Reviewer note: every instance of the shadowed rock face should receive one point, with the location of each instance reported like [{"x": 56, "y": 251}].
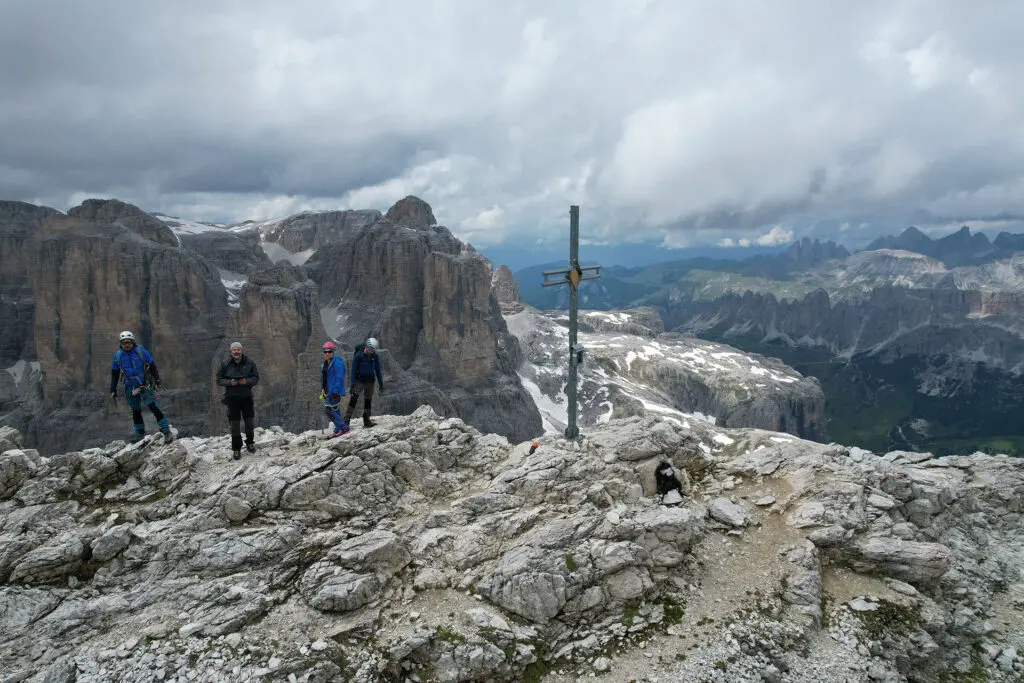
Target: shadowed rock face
[
  {"x": 132, "y": 217},
  {"x": 278, "y": 323},
  {"x": 309, "y": 230},
  {"x": 93, "y": 279},
  {"x": 229, "y": 251},
  {"x": 506, "y": 288},
  {"x": 108, "y": 266},
  {"x": 428, "y": 300},
  {"x": 19, "y": 224}
]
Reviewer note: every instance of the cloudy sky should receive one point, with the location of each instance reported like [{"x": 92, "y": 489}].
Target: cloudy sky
[{"x": 735, "y": 121}]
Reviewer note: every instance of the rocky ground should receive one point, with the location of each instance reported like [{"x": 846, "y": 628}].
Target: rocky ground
[{"x": 422, "y": 550}]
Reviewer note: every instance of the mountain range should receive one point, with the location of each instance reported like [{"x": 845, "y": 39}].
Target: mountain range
[
  {"x": 74, "y": 280},
  {"x": 917, "y": 343}
]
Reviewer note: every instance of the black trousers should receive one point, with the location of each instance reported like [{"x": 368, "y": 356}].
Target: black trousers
[
  {"x": 239, "y": 408},
  {"x": 366, "y": 389}
]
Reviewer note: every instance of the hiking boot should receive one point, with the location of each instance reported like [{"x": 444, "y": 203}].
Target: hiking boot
[
  {"x": 367, "y": 422},
  {"x": 168, "y": 437},
  {"x": 338, "y": 433},
  {"x": 251, "y": 447},
  {"x": 236, "y": 453},
  {"x": 138, "y": 437}
]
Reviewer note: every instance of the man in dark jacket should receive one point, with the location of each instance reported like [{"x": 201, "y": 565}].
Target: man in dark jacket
[
  {"x": 365, "y": 369},
  {"x": 238, "y": 375}
]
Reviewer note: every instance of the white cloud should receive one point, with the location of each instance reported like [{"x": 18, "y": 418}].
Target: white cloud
[
  {"x": 775, "y": 237},
  {"x": 684, "y": 123}
]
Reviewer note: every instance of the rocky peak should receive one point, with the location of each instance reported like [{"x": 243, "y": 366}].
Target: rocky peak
[
  {"x": 14, "y": 213},
  {"x": 506, "y": 289},
  {"x": 128, "y": 215},
  {"x": 299, "y": 235},
  {"x": 417, "y": 290},
  {"x": 806, "y": 253},
  {"x": 424, "y": 548},
  {"x": 411, "y": 212}
]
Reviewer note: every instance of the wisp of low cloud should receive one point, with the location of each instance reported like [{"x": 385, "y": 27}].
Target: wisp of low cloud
[{"x": 741, "y": 121}]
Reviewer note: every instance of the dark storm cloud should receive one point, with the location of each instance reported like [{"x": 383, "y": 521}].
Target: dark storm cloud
[{"x": 675, "y": 121}]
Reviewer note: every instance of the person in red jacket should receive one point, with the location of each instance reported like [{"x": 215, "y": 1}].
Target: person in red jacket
[{"x": 332, "y": 383}]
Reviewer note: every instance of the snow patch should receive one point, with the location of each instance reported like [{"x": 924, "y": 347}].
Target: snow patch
[
  {"x": 180, "y": 226},
  {"x": 17, "y": 371},
  {"x": 276, "y": 253},
  {"x": 554, "y": 416}
]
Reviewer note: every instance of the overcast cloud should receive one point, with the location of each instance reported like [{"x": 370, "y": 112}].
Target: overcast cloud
[{"x": 729, "y": 122}]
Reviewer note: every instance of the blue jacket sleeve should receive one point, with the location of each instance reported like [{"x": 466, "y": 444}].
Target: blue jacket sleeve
[
  {"x": 376, "y": 369},
  {"x": 336, "y": 377}
]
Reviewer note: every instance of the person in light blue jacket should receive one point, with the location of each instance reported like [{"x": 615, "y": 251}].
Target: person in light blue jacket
[
  {"x": 332, "y": 382},
  {"x": 134, "y": 366}
]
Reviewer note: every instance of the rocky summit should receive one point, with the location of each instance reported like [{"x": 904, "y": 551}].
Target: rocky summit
[{"x": 424, "y": 550}]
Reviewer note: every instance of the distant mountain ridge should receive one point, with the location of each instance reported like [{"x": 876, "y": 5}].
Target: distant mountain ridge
[
  {"x": 918, "y": 343},
  {"x": 960, "y": 248}
]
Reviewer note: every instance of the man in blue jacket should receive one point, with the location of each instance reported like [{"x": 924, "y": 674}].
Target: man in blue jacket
[
  {"x": 365, "y": 368},
  {"x": 135, "y": 367},
  {"x": 332, "y": 382}
]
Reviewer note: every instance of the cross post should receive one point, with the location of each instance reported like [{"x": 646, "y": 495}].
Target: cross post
[{"x": 572, "y": 276}]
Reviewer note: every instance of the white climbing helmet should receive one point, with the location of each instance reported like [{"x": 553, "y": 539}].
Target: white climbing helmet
[
  {"x": 127, "y": 335},
  {"x": 372, "y": 343}
]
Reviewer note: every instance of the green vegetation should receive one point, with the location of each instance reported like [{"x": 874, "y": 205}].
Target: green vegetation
[
  {"x": 890, "y": 616},
  {"x": 449, "y": 635}
]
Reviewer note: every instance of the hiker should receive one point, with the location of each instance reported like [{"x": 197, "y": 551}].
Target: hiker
[
  {"x": 135, "y": 366},
  {"x": 365, "y": 368},
  {"x": 332, "y": 383},
  {"x": 238, "y": 375}
]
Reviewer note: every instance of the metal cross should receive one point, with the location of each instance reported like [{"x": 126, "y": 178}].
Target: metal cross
[{"x": 572, "y": 276}]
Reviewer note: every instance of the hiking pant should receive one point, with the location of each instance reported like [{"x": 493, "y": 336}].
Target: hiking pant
[
  {"x": 147, "y": 397},
  {"x": 240, "y": 407},
  {"x": 366, "y": 389},
  {"x": 331, "y": 408}
]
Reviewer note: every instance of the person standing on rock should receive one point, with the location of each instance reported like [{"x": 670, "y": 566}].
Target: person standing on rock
[
  {"x": 135, "y": 367},
  {"x": 238, "y": 375},
  {"x": 365, "y": 368},
  {"x": 332, "y": 383}
]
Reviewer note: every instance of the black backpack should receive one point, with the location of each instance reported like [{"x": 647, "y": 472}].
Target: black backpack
[{"x": 666, "y": 480}]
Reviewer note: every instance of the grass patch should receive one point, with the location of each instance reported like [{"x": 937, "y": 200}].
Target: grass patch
[
  {"x": 890, "y": 617},
  {"x": 449, "y": 635}
]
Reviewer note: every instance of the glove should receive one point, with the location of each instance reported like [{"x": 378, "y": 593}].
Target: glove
[{"x": 323, "y": 395}]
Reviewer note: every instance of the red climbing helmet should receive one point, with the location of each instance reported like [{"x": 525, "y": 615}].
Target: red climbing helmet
[{"x": 328, "y": 346}]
